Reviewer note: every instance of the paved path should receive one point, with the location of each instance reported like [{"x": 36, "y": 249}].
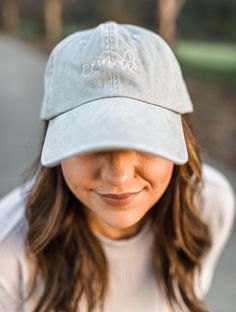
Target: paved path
[{"x": 21, "y": 91}]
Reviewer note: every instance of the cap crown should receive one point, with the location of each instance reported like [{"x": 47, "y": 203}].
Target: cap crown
[{"x": 113, "y": 60}]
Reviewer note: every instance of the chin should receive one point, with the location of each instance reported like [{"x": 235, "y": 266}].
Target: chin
[{"x": 124, "y": 223}]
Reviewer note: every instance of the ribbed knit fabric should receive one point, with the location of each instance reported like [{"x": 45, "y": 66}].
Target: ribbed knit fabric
[{"x": 132, "y": 283}]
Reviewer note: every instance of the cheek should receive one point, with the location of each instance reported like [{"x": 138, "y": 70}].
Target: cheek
[
  {"x": 72, "y": 176},
  {"x": 78, "y": 177},
  {"x": 161, "y": 175},
  {"x": 68, "y": 174}
]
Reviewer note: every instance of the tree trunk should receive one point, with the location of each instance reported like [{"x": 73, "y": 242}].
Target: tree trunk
[
  {"x": 53, "y": 21},
  {"x": 168, "y": 11},
  {"x": 11, "y": 16}
]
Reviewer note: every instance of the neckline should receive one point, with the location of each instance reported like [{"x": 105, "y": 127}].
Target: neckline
[{"x": 124, "y": 247}]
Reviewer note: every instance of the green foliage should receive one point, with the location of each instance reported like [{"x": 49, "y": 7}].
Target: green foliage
[
  {"x": 215, "y": 61},
  {"x": 70, "y": 27},
  {"x": 208, "y": 19},
  {"x": 30, "y": 28}
]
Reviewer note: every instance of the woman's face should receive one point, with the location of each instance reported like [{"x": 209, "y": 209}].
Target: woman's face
[{"x": 100, "y": 181}]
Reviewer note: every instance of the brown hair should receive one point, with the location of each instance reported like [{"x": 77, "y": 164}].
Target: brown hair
[{"x": 59, "y": 234}]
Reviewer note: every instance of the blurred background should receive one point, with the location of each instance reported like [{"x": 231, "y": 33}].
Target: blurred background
[{"x": 201, "y": 33}]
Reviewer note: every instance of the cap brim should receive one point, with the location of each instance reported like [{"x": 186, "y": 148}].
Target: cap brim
[{"x": 115, "y": 123}]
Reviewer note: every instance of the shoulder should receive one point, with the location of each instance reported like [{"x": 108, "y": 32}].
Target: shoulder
[
  {"x": 218, "y": 201},
  {"x": 13, "y": 230},
  {"x": 214, "y": 177},
  {"x": 11, "y": 212},
  {"x": 217, "y": 206},
  {"x": 12, "y": 208}
]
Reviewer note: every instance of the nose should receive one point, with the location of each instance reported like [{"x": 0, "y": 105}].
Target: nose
[{"x": 118, "y": 167}]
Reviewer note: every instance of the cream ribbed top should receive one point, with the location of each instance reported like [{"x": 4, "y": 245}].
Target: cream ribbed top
[{"x": 132, "y": 283}]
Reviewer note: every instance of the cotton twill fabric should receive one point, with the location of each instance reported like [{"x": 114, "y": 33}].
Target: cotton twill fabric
[
  {"x": 112, "y": 124},
  {"x": 110, "y": 70}
]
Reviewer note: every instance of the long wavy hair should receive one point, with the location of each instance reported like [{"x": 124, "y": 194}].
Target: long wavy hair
[{"x": 66, "y": 252}]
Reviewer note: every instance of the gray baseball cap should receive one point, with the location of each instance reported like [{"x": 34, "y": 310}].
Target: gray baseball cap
[{"x": 114, "y": 86}]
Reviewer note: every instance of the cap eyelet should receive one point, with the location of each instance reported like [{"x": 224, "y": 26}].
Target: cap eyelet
[
  {"x": 83, "y": 41},
  {"x": 136, "y": 36}
]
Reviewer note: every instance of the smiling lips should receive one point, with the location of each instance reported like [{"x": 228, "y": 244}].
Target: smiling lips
[
  {"x": 118, "y": 199},
  {"x": 120, "y": 196}
]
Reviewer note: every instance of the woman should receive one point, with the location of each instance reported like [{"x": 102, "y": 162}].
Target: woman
[{"x": 120, "y": 214}]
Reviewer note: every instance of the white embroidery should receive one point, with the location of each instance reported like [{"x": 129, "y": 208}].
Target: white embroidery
[{"x": 111, "y": 59}]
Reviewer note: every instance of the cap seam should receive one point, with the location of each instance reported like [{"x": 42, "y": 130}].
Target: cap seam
[
  {"x": 58, "y": 50},
  {"x": 116, "y": 96},
  {"x": 110, "y": 58}
]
